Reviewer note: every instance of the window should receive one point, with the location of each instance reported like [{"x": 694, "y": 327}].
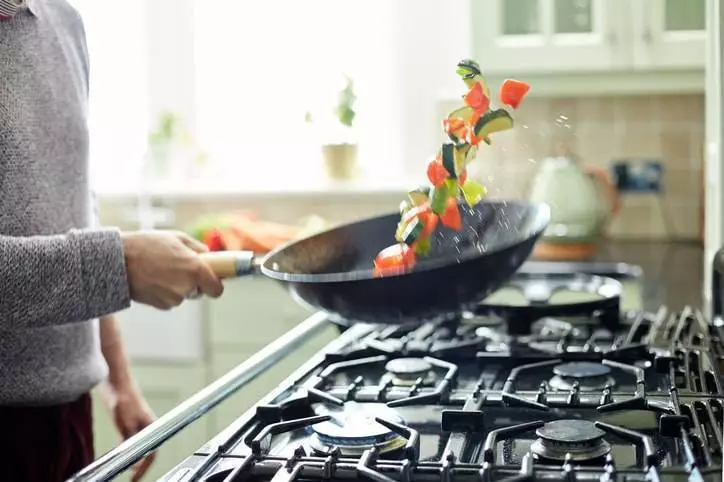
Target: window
[
  {"x": 242, "y": 75},
  {"x": 118, "y": 90},
  {"x": 261, "y": 66}
]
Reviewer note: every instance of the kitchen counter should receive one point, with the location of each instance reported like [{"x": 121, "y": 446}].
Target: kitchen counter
[{"x": 673, "y": 271}]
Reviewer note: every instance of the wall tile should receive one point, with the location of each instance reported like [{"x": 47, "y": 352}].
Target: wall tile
[
  {"x": 677, "y": 145},
  {"x": 634, "y": 109}
]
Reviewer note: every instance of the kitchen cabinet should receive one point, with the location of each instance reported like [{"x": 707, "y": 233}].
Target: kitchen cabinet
[
  {"x": 574, "y": 46},
  {"x": 548, "y": 35},
  {"x": 669, "y": 34}
]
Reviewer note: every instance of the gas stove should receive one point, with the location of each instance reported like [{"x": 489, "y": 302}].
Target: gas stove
[{"x": 578, "y": 390}]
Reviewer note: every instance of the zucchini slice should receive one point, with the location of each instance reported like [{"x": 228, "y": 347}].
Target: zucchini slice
[
  {"x": 405, "y": 206},
  {"x": 492, "y": 122},
  {"x": 419, "y": 196},
  {"x": 438, "y": 200},
  {"x": 468, "y": 68},
  {"x": 447, "y": 153},
  {"x": 412, "y": 231}
]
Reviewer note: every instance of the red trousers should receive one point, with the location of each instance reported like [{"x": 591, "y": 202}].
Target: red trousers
[{"x": 45, "y": 444}]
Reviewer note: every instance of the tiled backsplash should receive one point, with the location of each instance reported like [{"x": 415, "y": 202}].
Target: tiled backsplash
[{"x": 601, "y": 130}]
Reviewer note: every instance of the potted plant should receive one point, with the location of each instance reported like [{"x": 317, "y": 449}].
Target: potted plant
[
  {"x": 170, "y": 145},
  {"x": 339, "y": 147}
]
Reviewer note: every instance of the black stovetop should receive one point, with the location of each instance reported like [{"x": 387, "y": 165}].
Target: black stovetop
[{"x": 604, "y": 396}]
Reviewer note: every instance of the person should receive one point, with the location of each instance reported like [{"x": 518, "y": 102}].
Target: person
[{"x": 62, "y": 277}]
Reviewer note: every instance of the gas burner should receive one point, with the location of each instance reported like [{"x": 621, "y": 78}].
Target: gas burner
[
  {"x": 591, "y": 377},
  {"x": 405, "y": 372},
  {"x": 589, "y": 296},
  {"x": 580, "y": 439},
  {"x": 353, "y": 430}
]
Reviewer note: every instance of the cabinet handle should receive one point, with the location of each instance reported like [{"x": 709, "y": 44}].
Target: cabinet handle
[{"x": 647, "y": 37}]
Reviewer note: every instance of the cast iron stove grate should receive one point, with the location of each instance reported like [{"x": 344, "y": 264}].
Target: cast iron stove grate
[{"x": 570, "y": 399}]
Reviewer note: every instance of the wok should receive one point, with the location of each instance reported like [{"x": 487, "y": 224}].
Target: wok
[{"x": 332, "y": 271}]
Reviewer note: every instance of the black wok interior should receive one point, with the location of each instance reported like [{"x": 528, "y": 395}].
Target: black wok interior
[
  {"x": 348, "y": 251},
  {"x": 332, "y": 271}
]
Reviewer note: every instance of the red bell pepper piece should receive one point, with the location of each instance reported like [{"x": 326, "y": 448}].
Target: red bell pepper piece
[
  {"x": 214, "y": 240},
  {"x": 456, "y": 127},
  {"x": 451, "y": 216},
  {"x": 512, "y": 92},
  {"x": 436, "y": 173},
  {"x": 462, "y": 178},
  {"x": 394, "y": 259},
  {"x": 477, "y": 99}
]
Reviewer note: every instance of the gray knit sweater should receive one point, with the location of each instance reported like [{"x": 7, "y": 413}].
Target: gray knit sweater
[{"x": 57, "y": 276}]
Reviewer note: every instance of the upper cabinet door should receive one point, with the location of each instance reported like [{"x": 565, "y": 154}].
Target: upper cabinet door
[
  {"x": 548, "y": 36},
  {"x": 670, "y": 34}
]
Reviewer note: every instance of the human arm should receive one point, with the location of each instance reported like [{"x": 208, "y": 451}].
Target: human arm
[
  {"x": 128, "y": 408},
  {"x": 79, "y": 275}
]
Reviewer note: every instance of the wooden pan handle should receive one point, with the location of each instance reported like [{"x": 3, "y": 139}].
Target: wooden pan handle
[{"x": 230, "y": 264}]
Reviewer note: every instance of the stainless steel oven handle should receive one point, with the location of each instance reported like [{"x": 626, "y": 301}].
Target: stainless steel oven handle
[
  {"x": 135, "y": 448},
  {"x": 717, "y": 288}
]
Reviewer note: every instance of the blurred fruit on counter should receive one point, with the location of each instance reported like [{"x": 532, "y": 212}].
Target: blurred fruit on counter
[{"x": 245, "y": 231}]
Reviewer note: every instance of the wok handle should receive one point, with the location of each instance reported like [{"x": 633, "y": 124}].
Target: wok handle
[{"x": 231, "y": 264}]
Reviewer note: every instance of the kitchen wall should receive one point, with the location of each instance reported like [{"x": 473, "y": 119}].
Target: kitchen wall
[
  {"x": 669, "y": 128},
  {"x": 600, "y": 130}
]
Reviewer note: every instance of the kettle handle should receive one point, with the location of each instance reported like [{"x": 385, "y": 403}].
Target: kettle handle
[{"x": 601, "y": 175}]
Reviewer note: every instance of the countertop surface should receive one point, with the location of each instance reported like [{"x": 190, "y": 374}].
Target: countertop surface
[{"x": 673, "y": 271}]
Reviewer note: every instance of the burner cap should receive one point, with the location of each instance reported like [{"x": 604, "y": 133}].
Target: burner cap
[
  {"x": 589, "y": 376},
  {"x": 580, "y": 439},
  {"x": 408, "y": 367},
  {"x": 354, "y": 429},
  {"x": 406, "y": 371},
  {"x": 581, "y": 370},
  {"x": 572, "y": 431}
]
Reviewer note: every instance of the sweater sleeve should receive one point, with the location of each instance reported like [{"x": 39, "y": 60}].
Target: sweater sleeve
[{"x": 54, "y": 280}]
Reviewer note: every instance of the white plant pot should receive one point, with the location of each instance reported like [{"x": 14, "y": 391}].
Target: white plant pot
[{"x": 340, "y": 161}]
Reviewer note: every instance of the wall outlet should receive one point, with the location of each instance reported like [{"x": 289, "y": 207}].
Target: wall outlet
[{"x": 638, "y": 175}]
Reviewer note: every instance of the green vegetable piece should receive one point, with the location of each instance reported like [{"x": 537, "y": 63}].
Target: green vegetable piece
[
  {"x": 405, "y": 206},
  {"x": 399, "y": 231},
  {"x": 462, "y": 113},
  {"x": 460, "y": 158},
  {"x": 419, "y": 196},
  {"x": 422, "y": 248},
  {"x": 473, "y": 192},
  {"x": 412, "y": 231},
  {"x": 440, "y": 195},
  {"x": 448, "y": 159},
  {"x": 471, "y": 153},
  {"x": 494, "y": 121},
  {"x": 453, "y": 187}
]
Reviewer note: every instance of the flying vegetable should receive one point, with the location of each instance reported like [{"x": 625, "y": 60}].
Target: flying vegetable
[{"x": 428, "y": 206}]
